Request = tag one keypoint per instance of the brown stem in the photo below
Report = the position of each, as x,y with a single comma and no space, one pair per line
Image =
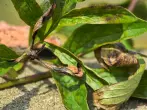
132,5
25,80
143,55
38,77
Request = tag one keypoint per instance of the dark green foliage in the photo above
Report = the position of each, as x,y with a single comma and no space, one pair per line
29,11
6,53
92,27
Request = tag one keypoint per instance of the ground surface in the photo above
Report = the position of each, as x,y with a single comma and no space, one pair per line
42,95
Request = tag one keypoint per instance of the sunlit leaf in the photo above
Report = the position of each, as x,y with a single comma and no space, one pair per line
72,89
6,66
121,91
141,91
66,57
73,92
102,14
6,53
62,7
101,34
28,10
128,44
44,5
93,80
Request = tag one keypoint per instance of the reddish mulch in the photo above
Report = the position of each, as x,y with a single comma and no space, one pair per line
14,36
17,36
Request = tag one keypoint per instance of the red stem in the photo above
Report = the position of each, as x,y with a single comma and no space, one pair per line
132,5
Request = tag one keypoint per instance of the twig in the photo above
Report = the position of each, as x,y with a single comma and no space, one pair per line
143,55
58,69
38,77
132,5
25,80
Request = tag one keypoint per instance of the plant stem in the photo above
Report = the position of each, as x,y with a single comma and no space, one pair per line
30,35
132,5
25,80
36,77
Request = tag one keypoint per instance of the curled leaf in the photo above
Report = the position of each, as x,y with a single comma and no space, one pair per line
72,89
67,58
141,91
119,92
60,8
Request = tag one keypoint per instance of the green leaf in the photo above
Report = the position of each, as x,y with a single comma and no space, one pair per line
67,30
64,55
73,92
44,5
141,91
62,7
6,53
72,89
11,74
92,79
7,67
114,75
102,34
128,44
28,10
102,14
67,58
121,91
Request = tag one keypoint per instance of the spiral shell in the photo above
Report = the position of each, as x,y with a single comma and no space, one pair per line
115,55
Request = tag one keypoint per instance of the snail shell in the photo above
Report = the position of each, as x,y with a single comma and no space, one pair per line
115,55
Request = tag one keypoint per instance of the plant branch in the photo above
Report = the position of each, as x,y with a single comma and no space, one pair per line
25,80
38,77
59,69
30,35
